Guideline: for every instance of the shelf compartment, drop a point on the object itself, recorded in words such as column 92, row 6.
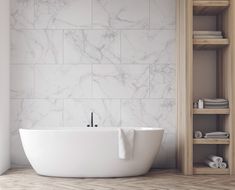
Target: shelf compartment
column 211, row 111
column 209, row 7
column 202, row 169
column 210, row 43
column 211, row 141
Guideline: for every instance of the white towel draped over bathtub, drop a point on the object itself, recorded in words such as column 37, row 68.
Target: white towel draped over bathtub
column 126, row 138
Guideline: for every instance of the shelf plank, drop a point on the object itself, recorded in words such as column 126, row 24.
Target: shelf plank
column 209, row 7
column 210, row 43
column 211, row 141
column 211, row 111
column 210, row 171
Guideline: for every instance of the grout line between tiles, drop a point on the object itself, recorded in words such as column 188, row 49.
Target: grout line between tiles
column 114, row 29
column 149, row 80
column 79, row 64
column 63, row 114
column 63, row 47
column 92, row 7
column 92, row 98
column 149, row 15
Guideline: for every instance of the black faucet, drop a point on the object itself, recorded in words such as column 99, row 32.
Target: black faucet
column 92, row 122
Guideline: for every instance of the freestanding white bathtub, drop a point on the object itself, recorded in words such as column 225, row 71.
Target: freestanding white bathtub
column 88, row 152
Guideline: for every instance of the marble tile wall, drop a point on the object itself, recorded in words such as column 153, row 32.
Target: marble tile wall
column 113, row 57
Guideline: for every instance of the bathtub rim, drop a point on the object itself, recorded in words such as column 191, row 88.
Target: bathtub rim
column 100, row 129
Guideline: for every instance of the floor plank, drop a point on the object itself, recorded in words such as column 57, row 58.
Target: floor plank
column 26, row 179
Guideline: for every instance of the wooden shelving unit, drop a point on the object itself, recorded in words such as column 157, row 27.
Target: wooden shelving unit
column 202, row 169
column 190, row 119
column 211, row 111
column 209, row 7
column 211, row 141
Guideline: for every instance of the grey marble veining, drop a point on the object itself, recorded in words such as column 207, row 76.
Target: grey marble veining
column 32, row 113
column 63, row 81
column 22, row 13
column 115, row 58
column 22, row 81
column 162, row 14
column 106, row 112
column 149, row 113
column 56, row 14
column 36, row 46
column 148, row 46
column 91, row 46
column 162, row 81
column 121, row 14
column 121, row 81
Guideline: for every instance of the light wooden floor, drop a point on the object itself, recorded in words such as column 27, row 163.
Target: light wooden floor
column 24, row 179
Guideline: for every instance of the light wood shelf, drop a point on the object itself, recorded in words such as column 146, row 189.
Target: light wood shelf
column 202, row 169
column 210, row 43
column 189, row 84
column 211, row 111
column 211, row 141
column 209, row 7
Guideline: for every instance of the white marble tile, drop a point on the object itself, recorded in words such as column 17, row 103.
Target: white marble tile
column 162, row 14
column 36, row 46
column 21, row 81
column 103, row 56
column 166, row 157
column 149, row 113
column 77, row 112
column 162, row 81
column 22, row 13
column 63, row 81
column 132, row 14
column 120, row 81
column 17, row 155
column 61, row 14
column 148, row 46
column 33, row 113
column 92, row 46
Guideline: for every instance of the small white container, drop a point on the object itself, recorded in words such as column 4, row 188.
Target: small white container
column 200, row 104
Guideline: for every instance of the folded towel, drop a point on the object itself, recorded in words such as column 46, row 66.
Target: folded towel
column 216, row 107
column 125, row 143
column 217, row 134
column 215, row 137
column 207, row 37
column 215, row 100
column 216, row 104
column 222, row 165
column 216, row 159
column 197, row 134
column 215, row 33
column 211, row 164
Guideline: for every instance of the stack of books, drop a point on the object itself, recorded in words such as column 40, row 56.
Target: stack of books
column 207, row 35
column 216, row 103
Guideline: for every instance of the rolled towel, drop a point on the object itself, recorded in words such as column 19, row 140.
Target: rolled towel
column 211, row 164
column 222, row 165
column 197, row 134
column 126, row 139
column 216, row 159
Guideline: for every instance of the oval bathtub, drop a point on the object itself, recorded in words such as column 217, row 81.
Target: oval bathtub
column 88, row 152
